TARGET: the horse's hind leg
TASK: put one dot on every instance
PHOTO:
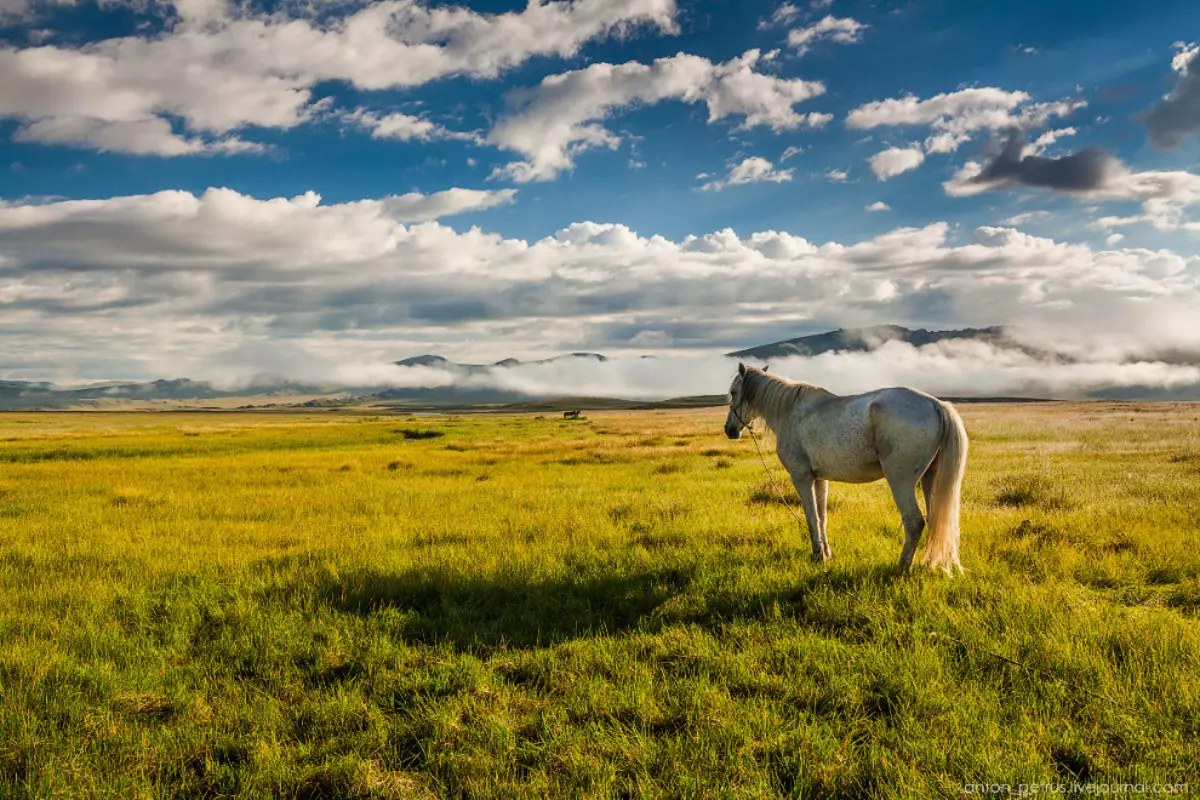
(821, 490)
(904, 491)
(927, 487)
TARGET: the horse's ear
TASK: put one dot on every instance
(741, 369)
(766, 367)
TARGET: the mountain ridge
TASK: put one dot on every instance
(21, 394)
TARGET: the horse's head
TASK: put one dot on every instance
(741, 413)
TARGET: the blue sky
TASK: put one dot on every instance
(783, 108)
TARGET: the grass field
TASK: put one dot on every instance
(326, 606)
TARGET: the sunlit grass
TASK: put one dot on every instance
(212, 605)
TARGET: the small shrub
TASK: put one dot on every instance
(668, 468)
(1020, 491)
(722, 463)
(395, 465)
(1040, 534)
(620, 513)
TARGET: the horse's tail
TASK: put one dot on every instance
(941, 548)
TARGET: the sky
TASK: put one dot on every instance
(203, 188)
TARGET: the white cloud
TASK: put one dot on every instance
(956, 117)
(837, 176)
(1039, 145)
(402, 127)
(896, 161)
(141, 137)
(417, 207)
(1025, 217)
(792, 152)
(843, 30)
(964, 110)
(879, 205)
(751, 170)
(783, 15)
(1165, 195)
(163, 284)
(220, 71)
(561, 117)
(1180, 61)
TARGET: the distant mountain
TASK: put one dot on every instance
(16, 394)
(866, 339)
(438, 362)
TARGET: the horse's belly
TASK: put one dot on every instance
(849, 472)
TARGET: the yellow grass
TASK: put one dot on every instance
(329, 605)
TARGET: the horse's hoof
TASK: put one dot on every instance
(818, 558)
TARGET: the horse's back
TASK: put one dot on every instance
(855, 438)
(835, 437)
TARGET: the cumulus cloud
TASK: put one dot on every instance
(1177, 116)
(879, 205)
(955, 118)
(837, 175)
(751, 170)
(1090, 175)
(153, 137)
(843, 30)
(1088, 170)
(962, 111)
(219, 71)
(154, 285)
(561, 117)
(896, 161)
(402, 127)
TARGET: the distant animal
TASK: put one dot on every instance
(900, 434)
(570, 415)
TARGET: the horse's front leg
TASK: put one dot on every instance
(806, 487)
(821, 489)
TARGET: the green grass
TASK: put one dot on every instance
(321, 606)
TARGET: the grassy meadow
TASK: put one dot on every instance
(355, 606)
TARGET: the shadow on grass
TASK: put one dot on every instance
(484, 612)
(481, 613)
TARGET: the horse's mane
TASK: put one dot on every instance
(772, 396)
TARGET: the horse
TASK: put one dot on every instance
(903, 435)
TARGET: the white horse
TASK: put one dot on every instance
(903, 435)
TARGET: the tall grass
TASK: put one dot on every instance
(326, 606)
